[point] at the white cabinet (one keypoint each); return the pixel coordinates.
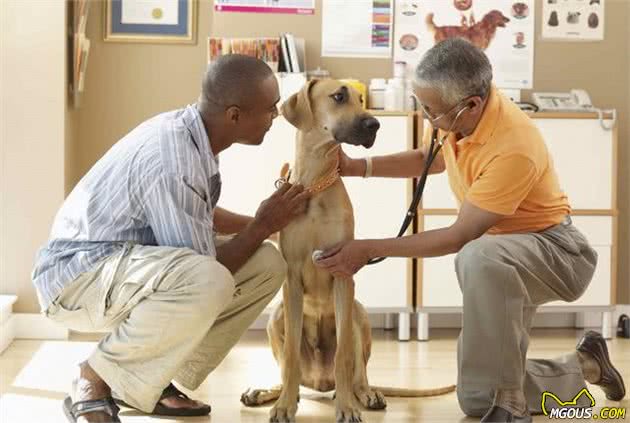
(379, 206)
(582, 152)
(439, 282)
(584, 156)
(248, 174)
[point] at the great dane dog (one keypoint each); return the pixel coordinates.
(320, 335)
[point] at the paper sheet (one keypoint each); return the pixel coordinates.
(503, 29)
(357, 28)
(163, 12)
(573, 19)
(301, 7)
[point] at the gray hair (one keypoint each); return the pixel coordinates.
(456, 68)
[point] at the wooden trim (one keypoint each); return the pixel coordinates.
(389, 112)
(411, 262)
(613, 260)
(568, 115)
(615, 226)
(576, 212)
(419, 220)
(615, 165)
(419, 269)
(436, 212)
(595, 212)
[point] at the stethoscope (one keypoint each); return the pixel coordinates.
(434, 149)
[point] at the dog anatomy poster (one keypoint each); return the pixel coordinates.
(573, 20)
(504, 29)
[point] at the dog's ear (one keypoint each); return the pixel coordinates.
(297, 109)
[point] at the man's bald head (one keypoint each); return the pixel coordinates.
(232, 80)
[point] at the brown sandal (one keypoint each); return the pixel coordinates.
(162, 410)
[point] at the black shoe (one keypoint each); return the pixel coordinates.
(611, 382)
(498, 414)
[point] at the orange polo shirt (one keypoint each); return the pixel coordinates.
(504, 167)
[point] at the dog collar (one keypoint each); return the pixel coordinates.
(319, 185)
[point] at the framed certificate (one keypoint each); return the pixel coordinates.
(150, 21)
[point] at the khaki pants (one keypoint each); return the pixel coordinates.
(172, 313)
(503, 279)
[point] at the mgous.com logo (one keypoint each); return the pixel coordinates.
(571, 410)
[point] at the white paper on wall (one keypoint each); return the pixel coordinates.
(357, 28)
(504, 29)
(573, 19)
(149, 12)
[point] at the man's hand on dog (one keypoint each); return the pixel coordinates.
(344, 259)
(288, 202)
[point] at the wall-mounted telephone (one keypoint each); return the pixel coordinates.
(574, 101)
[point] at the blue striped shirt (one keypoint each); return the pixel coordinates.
(158, 185)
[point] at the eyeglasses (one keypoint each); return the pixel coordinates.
(434, 118)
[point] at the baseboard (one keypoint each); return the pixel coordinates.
(6, 307)
(7, 332)
(454, 320)
(37, 326)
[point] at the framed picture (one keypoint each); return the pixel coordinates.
(150, 21)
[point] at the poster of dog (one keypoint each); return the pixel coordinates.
(504, 29)
(573, 20)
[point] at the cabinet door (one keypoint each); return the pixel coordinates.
(582, 155)
(248, 174)
(437, 192)
(598, 232)
(439, 281)
(379, 207)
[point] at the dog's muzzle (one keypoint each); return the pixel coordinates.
(362, 132)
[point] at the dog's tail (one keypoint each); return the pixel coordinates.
(429, 21)
(413, 393)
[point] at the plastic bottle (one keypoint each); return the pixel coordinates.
(395, 95)
(377, 94)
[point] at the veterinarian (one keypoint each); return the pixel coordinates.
(133, 251)
(516, 247)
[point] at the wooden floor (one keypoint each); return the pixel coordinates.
(34, 376)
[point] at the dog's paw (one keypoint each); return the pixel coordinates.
(283, 413)
(348, 414)
(371, 399)
(256, 397)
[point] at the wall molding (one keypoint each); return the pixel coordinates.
(37, 326)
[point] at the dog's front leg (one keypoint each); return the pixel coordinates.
(293, 294)
(346, 408)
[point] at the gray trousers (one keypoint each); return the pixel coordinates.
(503, 279)
(171, 313)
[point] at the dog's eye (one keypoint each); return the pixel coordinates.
(338, 97)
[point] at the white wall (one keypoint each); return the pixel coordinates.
(32, 118)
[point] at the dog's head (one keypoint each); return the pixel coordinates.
(496, 18)
(520, 9)
(333, 109)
